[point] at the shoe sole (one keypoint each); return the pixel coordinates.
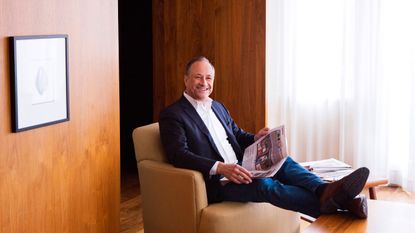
(363, 212)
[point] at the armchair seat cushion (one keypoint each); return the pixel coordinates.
(247, 218)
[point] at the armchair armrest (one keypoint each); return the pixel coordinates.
(172, 196)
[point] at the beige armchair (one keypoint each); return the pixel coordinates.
(175, 201)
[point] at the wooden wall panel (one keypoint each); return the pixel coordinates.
(240, 55)
(179, 32)
(64, 177)
(231, 33)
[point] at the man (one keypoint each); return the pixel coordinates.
(198, 133)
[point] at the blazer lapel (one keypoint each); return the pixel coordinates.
(220, 116)
(229, 133)
(191, 112)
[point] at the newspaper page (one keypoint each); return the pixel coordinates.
(265, 156)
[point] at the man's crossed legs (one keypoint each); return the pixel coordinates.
(295, 188)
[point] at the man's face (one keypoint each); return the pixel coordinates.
(199, 81)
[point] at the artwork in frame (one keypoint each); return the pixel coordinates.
(39, 81)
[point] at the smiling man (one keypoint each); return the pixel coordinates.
(198, 133)
(199, 80)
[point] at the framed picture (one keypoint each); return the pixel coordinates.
(39, 80)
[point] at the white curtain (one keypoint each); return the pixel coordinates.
(341, 77)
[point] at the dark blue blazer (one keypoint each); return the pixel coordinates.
(188, 143)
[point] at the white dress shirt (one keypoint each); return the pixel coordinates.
(216, 130)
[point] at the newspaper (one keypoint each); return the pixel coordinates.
(328, 169)
(265, 156)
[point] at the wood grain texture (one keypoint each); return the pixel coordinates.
(64, 177)
(231, 34)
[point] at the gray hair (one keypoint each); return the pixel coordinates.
(196, 59)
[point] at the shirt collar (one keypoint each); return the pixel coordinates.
(207, 104)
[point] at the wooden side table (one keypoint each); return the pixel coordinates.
(383, 216)
(333, 169)
(371, 184)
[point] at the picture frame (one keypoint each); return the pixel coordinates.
(39, 81)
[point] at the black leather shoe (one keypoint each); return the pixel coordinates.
(339, 193)
(358, 207)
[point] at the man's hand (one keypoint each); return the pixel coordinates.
(234, 173)
(261, 132)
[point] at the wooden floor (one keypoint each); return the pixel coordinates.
(131, 216)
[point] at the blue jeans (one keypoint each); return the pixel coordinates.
(292, 188)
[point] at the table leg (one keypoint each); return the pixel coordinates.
(372, 193)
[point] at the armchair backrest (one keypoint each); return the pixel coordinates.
(148, 135)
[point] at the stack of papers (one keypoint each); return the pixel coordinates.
(328, 169)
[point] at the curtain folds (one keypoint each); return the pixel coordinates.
(341, 77)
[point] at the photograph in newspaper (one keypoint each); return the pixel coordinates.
(264, 157)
